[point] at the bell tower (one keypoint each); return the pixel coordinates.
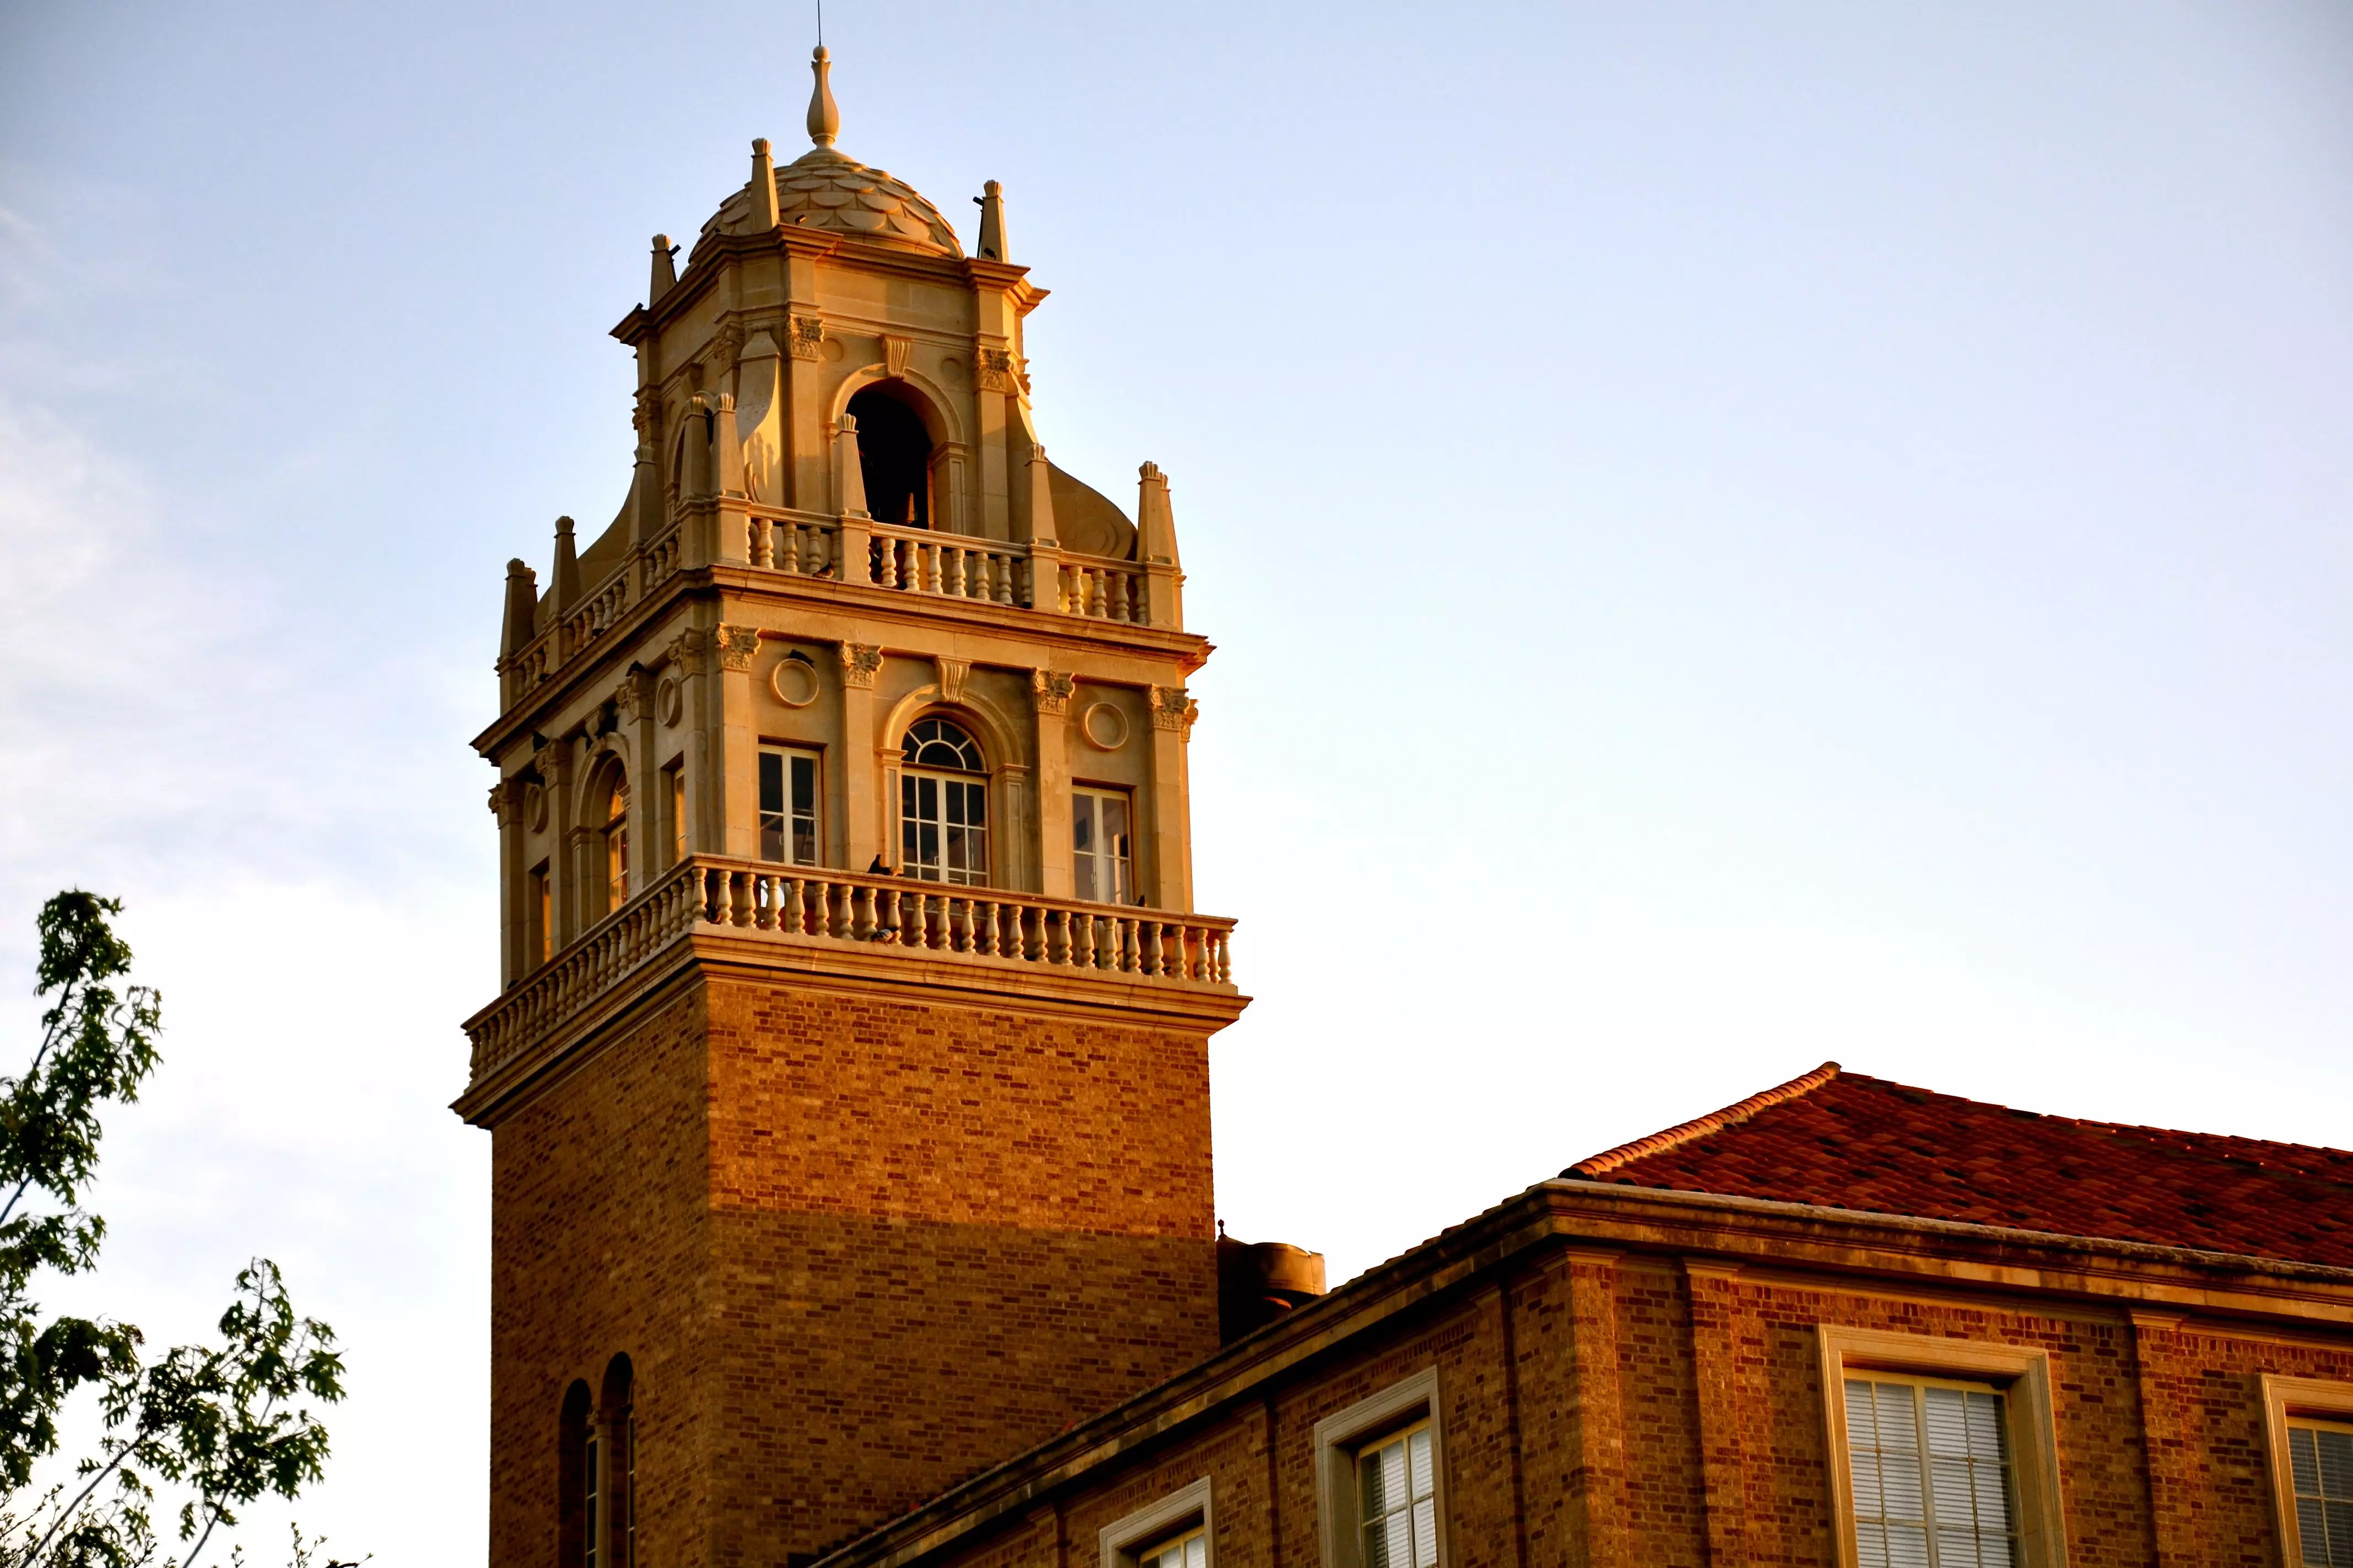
(848, 1085)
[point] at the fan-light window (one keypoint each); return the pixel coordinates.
(1190, 1550)
(788, 808)
(1101, 856)
(943, 817)
(1931, 1474)
(1397, 1486)
(2320, 1456)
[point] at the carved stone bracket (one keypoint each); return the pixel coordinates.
(1049, 691)
(726, 348)
(807, 338)
(634, 695)
(996, 370)
(860, 663)
(1172, 709)
(736, 645)
(685, 650)
(896, 349)
(953, 672)
(504, 798)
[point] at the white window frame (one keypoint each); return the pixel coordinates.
(2313, 1399)
(1342, 1435)
(2022, 1375)
(1175, 1514)
(787, 756)
(1125, 797)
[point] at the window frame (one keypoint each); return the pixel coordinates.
(982, 780)
(2286, 1399)
(1126, 797)
(1121, 1541)
(673, 809)
(539, 914)
(2020, 1372)
(787, 750)
(1342, 1435)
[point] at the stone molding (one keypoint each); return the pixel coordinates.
(1049, 691)
(736, 647)
(1172, 709)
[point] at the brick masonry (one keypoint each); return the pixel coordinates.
(1619, 1407)
(856, 1247)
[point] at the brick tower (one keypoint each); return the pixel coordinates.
(848, 1088)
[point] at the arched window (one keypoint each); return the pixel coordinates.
(618, 1420)
(895, 453)
(942, 805)
(575, 1478)
(615, 835)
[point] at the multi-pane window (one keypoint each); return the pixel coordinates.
(1102, 856)
(617, 847)
(2320, 1457)
(630, 1495)
(788, 808)
(1931, 1471)
(942, 805)
(590, 1555)
(1190, 1549)
(1397, 1486)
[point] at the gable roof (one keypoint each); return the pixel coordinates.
(1844, 1141)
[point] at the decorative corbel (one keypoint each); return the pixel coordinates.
(860, 663)
(1049, 691)
(807, 338)
(953, 673)
(1172, 709)
(896, 349)
(685, 650)
(737, 645)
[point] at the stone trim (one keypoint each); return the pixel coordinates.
(1338, 1436)
(2282, 1397)
(2022, 1372)
(1121, 1539)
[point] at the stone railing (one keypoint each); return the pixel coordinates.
(604, 955)
(951, 565)
(986, 922)
(796, 546)
(1103, 591)
(810, 546)
(991, 926)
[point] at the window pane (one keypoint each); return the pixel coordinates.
(1082, 823)
(804, 786)
(772, 782)
(2304, 1458)
(1424, 1534)
(1196, 1552)
(2336, 1463)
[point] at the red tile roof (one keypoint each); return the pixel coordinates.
(1844, 1141)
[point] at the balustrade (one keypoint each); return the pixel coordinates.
(951, 565)
(1103, 592)
(795, 902)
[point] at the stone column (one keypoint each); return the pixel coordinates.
(735, 766)
(1173, 714)
(506, 803)
(1050, 696)
(864, 810)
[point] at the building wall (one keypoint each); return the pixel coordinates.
(1607, 1407)
(857, 1248)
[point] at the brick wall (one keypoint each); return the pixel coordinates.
(857, 1248)
(1605, 1408)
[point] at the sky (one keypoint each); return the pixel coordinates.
(1737, 536)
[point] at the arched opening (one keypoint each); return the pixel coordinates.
(942, 805)
(894, 454)
(617, 1419)
(575, 1478)
(610, 818)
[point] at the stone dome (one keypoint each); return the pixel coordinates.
(823, 189)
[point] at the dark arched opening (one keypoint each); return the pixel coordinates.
(576, 1462)
(895, 453)
(618, 1420)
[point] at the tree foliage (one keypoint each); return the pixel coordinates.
(217, 1426)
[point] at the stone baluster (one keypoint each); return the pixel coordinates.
(1225, 973)
(861, 911)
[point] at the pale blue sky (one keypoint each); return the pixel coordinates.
(1736, 535)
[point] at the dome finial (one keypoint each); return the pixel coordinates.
(824, 119)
